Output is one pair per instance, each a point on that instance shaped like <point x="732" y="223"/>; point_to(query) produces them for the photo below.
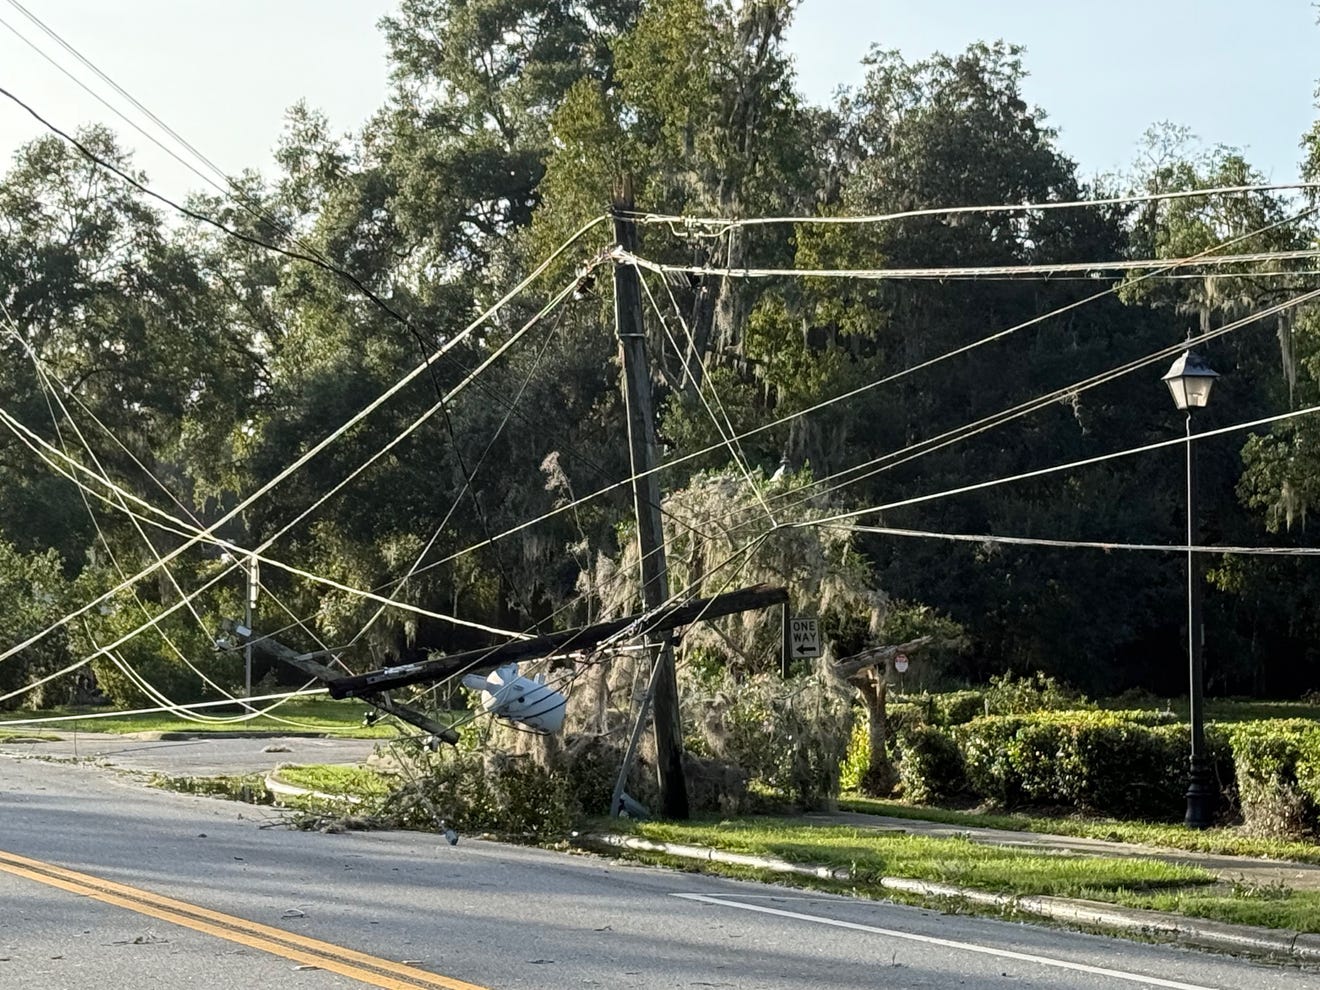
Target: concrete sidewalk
<point x="1247" y="869"/>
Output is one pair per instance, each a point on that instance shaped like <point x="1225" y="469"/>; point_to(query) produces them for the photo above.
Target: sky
<point x="222" y="74"/>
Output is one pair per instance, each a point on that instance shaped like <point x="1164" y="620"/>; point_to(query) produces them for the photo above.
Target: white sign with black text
<point x="804" y="637"/>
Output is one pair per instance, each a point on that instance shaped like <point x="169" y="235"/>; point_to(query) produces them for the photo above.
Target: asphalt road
<point x="179" y="891"/>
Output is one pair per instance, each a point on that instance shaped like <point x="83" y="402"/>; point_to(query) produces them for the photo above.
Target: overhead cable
<point x="723" y="224"/>
<point x="921" y="448"/>
<point x="51" y="719"/>
<point x="1053" y="469"/>
<point x="1029" y="541"/>
<point x="971" y="271"/>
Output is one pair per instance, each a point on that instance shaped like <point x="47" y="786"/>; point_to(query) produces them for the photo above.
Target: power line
<point x="229" y="189"/>
<point x="335" y="434"/>
<point x="468" y="482"/>
<point x="734" y="450"/>
<point x="1069" y="466"/>
<point x="133" y="675"/>
<point x="208" y="534"/>
<point x="310" y="258"/>
<point x="315" y="258"/>
<point x="903" y="455"/>
<point x="986" y="538"/>
<point x="237" y="197"/>
<point x="972" y="271"/>
<point x="42" y="448"/>
<point x="725" y="224"/>
<point x="47" y="374"/>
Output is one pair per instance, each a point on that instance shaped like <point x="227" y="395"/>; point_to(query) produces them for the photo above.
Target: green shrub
<point x="1277" y="768"/>
<point x="984" y="744"/>
<point x="931" y="765"/>
<point x="902" y="717"/>
<point x="1116" y="763"/>
<point x="1009" y="695"/>
<point x="957" y="707"/>
<point x="858" y="757"/>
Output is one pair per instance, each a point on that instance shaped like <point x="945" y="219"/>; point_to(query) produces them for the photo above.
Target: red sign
<point x="901" y="663"/>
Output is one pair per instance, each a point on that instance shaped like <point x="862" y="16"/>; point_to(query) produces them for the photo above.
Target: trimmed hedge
<point x="957" y="707"/>
<point x="1277" y="763"/>
<point x="902" y="717"/>
<point x="1119" y="763"/>
<point x="931" y="767"/>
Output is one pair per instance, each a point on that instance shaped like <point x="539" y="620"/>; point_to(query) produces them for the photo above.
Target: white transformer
<point x="526" y="700"/>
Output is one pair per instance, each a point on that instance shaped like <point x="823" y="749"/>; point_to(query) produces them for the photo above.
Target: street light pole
<point x="1200" y="789"/>
<point x="1190" y="381"/>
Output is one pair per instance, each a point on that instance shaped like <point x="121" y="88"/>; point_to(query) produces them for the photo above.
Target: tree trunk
<point x="880" y="776"/>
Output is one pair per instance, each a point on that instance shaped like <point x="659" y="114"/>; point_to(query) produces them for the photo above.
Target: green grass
<point x="1213" y="841"/>
<point x="1138" y="883"/>
<point x="321" y="716"/>
<point x="871" y="855"/>
<point x="1268" y="907"/>
<point x="248" y="787"/>
<point x="335" y="779"/>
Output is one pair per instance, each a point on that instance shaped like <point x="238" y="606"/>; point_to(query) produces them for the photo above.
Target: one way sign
<point x="804" y="637"/>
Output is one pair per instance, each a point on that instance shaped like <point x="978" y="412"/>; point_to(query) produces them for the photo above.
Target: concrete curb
<point x="281" y="788"/>
<point x="713" y="855"/>
<point x="1092" y="914"/>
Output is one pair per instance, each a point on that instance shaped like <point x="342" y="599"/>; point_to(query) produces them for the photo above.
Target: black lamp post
<point x="1190" y="380"/>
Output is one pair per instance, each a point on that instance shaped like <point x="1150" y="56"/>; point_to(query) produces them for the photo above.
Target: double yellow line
<point x="360" y="966"/>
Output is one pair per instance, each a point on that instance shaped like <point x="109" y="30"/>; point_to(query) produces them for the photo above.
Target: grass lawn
<point x="1268" y="907"/>
<point x="871" y="855"/>
<point x="1216" y="841"/>
<point x="307" y="715"/>
<point x="1138" y="883"/>
<point x="338" y="779"/>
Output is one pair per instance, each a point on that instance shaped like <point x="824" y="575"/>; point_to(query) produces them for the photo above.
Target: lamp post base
<point x="1201" y="795"/>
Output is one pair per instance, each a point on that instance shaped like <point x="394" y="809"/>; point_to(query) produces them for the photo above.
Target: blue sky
<point x="222" y="74"/>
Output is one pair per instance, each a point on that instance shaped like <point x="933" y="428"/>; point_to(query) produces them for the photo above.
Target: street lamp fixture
<point x="1190" y="380"/>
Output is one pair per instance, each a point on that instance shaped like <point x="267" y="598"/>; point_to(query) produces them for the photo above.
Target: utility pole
<point x="249" y="605"/>
<point x="646" y="504"/>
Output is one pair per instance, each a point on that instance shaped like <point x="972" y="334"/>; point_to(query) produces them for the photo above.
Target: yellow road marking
<point x="360" y="966"/>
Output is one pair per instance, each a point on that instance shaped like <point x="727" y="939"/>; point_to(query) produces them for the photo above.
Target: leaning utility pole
<point x="646" y="503"/>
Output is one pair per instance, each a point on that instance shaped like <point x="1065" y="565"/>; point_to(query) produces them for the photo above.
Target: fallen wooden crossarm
<point x="586" y="637"/>
<point x="372" y="688"/>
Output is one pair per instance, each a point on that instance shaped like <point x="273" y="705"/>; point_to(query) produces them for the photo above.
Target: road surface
<point x="107" y="885"/>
